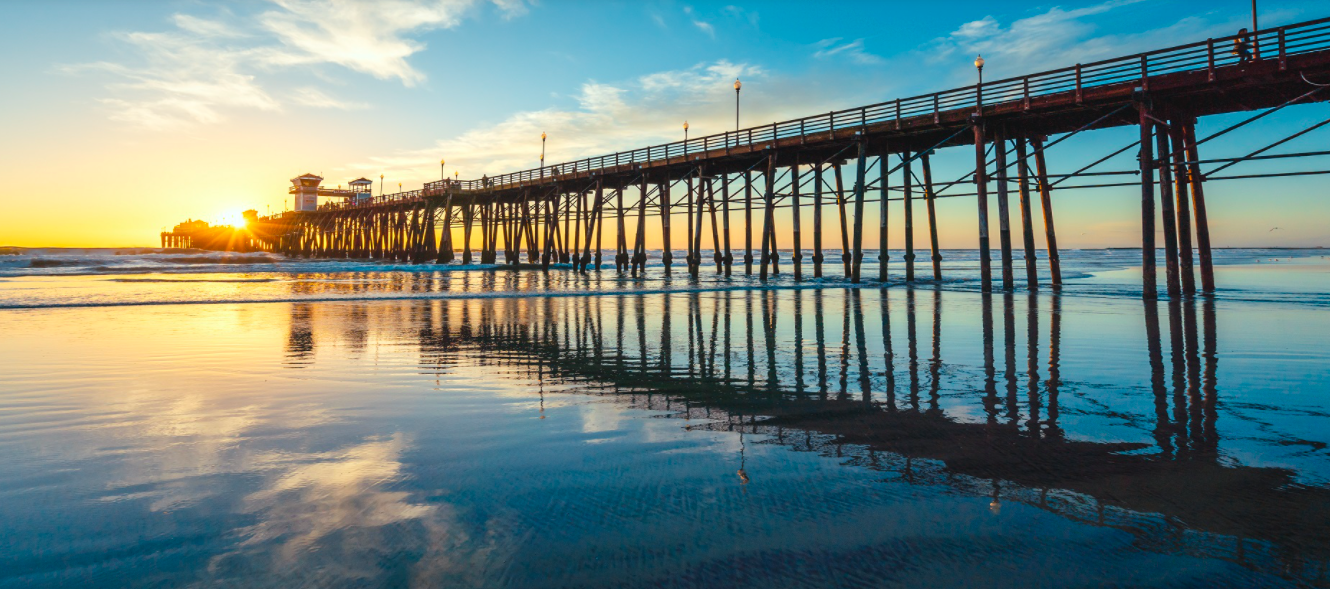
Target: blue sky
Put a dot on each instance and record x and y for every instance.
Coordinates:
(140, 114)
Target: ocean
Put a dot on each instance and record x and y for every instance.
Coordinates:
(186, 418)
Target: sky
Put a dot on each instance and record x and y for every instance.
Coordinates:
(123, 118)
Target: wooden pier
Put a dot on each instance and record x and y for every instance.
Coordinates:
(850, 159)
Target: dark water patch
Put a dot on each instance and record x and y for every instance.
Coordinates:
(53, 263)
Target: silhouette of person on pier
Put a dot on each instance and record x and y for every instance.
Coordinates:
(1242, 46)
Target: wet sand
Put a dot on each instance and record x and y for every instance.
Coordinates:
(826, 437)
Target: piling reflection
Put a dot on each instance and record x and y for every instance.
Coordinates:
(783, 365)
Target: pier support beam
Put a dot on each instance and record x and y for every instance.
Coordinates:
(798, 230)
(1198, 206)
(1149, 286)
(817, 220)
(981, 190)
(907, 183)
(1182, 181)
(860, 187)
(1004, 210)
(728, 257)
(1027, 221)
(748, 222)
(1046, 205)
(883, 194)
(930, 197)
(1169, 220)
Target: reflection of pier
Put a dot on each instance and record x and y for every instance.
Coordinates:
(826, 371)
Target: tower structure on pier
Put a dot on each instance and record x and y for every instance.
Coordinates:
(361, 189)
(306, 192)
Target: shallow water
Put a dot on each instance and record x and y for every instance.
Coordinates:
(501, 429)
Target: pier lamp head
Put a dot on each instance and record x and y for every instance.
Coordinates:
(441, 162)
(542, 135)
(737, 85)
(979, 62)
(685, 125)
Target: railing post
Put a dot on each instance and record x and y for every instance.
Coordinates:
(1283, 51)
(937, 119)
(1079, 95)
(898, 114)
(1025, 84)
(1145, 74)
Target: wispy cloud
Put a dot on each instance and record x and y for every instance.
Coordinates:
(853, 51)
(1058, 37)
(702, 25)
(313, 97)
(367, 37)
(741, 13)
(607, 117)
(203, 67)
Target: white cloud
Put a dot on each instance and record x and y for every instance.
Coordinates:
(314, 97)
(702, 25)
(367, 37)
(610, 117)
(206, 66)
(1057, 38)
(854, 51)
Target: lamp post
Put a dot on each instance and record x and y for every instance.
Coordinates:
(685, 131)
(443, 173)
(542, 154)
(979, 88)
(1255, 43)
(380, 185)
(737, 86)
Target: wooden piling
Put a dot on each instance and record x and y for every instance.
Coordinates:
(883, 195)
(1149, 287)
(725, 214)
(1027, 220)
(844, 226)
(1182, 177)
(621, 242)
(1169, 220)
(907, 185)
(1198, 207)
(694, 243)
(468, 216)
(798, 230)
(748, 222)
(929, 198)
(715, 229)
(1046, 205)
(667, 256)
(860, 187)
(599, 220)
(1004, 210)
(767, 217)
(981, 191)
(817, 220)
(690, 257)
